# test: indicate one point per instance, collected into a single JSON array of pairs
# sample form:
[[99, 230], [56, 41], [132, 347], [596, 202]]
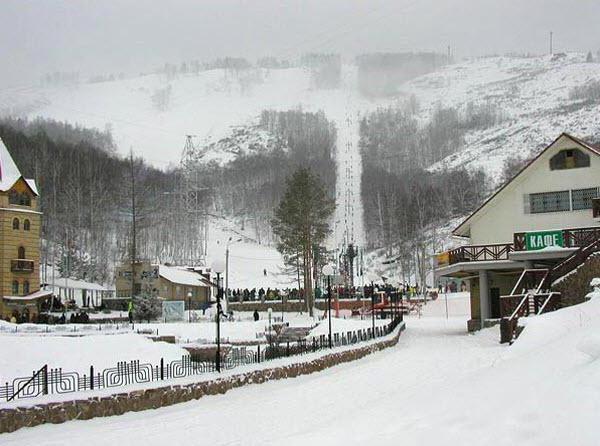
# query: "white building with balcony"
[[535, 229]]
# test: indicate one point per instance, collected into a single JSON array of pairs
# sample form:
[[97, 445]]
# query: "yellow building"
[[162, 281], [20, 226]]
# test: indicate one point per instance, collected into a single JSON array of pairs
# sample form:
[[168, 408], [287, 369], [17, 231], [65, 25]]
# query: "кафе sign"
[[543, 239]]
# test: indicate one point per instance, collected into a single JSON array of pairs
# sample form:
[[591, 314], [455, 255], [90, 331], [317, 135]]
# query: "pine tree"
[[589, 57], [146, 308], [302, 222]]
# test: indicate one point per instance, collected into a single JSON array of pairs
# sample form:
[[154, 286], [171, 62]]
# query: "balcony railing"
[[479, 253], [21, 266], [572, 238]]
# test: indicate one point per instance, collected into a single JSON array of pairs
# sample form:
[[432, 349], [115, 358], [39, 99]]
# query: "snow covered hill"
[[531, 93], [221, 108]]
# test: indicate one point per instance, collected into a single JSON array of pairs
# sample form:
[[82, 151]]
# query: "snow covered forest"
[[87, 189]]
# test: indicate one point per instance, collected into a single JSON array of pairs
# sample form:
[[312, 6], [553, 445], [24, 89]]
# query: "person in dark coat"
[[256, 315]]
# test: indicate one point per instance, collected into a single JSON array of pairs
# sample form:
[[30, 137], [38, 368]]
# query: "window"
[[582, 198], [15, 288], [22, 199], [15, 223], [569, 159], [26, 225], [13, 197], [25, 199], [26, 288], [549, 202], [21, 254]]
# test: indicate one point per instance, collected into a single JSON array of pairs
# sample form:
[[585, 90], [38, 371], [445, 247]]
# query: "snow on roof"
[[9, 172], [181, 276], [75, 284], [31, 183], [36, 295]]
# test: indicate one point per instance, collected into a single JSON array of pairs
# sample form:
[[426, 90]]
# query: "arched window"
[[15, 287], [26, 287], [21, 252], [15, 223], [26, 225]]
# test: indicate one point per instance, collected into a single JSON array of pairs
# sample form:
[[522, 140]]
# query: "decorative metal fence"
[[57, 381]]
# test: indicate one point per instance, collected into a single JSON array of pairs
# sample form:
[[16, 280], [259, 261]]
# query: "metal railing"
[[57, 381]]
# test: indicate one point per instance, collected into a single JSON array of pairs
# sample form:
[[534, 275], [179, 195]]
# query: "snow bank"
[[23, 354], [339, 325]]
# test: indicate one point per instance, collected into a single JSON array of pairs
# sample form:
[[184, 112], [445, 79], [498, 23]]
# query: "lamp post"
[[218, 267], [328, 271], [229, 241], [189, 295], [270, 312], [373, 308]]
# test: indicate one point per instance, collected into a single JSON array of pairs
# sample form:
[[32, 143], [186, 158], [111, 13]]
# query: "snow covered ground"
[[439, 385], [76, 351], [23, 354]]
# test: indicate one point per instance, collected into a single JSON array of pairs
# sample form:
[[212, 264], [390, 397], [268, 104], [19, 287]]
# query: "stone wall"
[[575, 286], [12, 419], [296, 306]]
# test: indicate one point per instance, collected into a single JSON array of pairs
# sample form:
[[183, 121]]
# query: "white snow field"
[[76, 352], [21, 355], [439, 385]]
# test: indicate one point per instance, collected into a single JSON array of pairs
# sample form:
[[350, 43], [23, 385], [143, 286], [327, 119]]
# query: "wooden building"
[[20, 226], [533, 231], [165, 282]]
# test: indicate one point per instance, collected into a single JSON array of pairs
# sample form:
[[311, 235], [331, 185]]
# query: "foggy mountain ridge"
[[222, 106]]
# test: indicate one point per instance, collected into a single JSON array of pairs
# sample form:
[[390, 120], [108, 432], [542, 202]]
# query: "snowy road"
[[439, 385]]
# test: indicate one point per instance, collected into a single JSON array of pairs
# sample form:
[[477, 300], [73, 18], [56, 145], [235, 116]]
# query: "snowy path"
[[439, 385], [316, 407]]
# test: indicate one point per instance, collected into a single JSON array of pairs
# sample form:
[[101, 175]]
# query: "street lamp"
[[270, 312], [373, 308], [218, 268], [328, 271], [189, 295], [229, 241]]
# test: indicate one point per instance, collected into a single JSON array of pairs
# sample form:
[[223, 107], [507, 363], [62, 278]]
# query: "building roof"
[[10, 173], [37, 295], [460, 230], [181, 276]]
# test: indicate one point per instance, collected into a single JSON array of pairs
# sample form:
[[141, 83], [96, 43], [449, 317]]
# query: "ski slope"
[[439, 385]]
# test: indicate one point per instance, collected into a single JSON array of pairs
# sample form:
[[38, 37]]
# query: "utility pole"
[[133, 226], [551, 48]]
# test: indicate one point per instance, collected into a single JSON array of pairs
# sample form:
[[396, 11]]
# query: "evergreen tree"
[[302, 222], [146, 308], [589, 57]]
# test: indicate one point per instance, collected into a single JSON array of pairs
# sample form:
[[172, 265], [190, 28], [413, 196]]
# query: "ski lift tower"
[[194, 198]]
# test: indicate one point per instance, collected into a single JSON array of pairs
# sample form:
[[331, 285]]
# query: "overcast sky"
[[103, 36]]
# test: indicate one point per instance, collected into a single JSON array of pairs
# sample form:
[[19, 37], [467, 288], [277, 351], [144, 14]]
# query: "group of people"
[[249, 295]]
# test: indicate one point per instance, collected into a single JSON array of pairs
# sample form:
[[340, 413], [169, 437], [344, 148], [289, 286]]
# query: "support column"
[[484, 296]]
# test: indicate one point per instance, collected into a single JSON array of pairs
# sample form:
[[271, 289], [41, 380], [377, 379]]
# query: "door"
[[495, 303]]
